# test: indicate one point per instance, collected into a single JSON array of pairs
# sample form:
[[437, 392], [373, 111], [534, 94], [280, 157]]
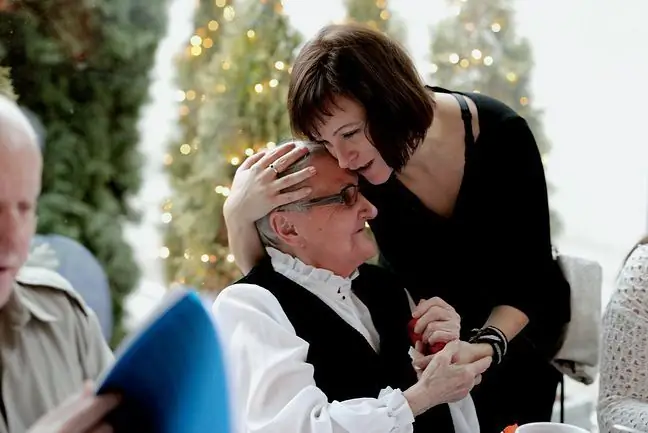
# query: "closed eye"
[[350, 134]]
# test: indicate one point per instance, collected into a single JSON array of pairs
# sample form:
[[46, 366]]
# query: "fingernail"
[[312, 170]]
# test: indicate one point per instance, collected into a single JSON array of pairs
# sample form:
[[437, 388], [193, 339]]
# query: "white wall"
[[590, 76]]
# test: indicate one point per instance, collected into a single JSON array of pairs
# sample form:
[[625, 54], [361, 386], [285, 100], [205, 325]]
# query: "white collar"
[[312, 278]]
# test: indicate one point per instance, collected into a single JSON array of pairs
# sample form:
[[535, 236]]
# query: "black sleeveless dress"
[[494, 250]]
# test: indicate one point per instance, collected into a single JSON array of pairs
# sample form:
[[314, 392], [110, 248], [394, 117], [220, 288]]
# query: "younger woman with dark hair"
[[463, 171]]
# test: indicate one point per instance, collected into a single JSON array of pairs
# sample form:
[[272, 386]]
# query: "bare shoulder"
[[50, 291], [448, 108]]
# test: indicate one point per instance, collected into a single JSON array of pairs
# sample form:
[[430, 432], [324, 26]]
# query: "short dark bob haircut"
[[364, 65]]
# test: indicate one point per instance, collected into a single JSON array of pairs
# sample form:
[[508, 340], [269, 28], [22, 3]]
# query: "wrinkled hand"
[[255, 188], [81, 413], [444, 382], [437, 321]]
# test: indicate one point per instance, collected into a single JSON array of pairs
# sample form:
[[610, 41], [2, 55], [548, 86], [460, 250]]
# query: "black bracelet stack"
[[493, 336]]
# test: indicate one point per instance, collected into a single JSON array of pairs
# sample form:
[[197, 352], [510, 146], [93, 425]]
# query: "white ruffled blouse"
[[273, 387]]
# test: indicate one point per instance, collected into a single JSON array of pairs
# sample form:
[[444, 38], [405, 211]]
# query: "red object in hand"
[[414, 337]]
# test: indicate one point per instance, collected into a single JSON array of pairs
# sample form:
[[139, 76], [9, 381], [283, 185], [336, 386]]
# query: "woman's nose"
[[346, 157]]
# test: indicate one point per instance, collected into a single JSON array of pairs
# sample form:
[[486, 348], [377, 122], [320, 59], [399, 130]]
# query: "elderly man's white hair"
[[266, 233], [15, 128]]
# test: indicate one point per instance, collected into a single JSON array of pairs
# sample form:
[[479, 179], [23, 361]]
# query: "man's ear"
[[284, 228]]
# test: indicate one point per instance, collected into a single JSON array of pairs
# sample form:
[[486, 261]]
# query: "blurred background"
[[145, 109]]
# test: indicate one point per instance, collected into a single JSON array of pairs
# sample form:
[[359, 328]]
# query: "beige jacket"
[[50, 343]]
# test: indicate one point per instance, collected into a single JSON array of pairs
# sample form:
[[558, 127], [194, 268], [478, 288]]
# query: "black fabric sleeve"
[[521, 230]]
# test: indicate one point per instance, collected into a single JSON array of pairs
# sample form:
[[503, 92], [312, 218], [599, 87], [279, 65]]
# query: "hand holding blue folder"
[[171, 374]]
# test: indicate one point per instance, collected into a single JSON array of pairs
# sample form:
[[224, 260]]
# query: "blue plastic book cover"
[[171, 373]]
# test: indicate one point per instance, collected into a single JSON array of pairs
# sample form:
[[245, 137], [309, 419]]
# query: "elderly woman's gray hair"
[[268, 236]]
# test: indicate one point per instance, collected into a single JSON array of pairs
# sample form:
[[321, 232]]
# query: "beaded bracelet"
[[493, 336]]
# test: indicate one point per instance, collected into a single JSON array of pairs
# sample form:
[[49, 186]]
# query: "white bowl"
[[549, 427]]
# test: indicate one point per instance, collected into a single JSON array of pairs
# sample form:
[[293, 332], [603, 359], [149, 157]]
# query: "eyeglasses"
[[348, 196]]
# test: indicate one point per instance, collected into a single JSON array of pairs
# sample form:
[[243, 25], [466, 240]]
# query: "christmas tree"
[[377, 15], [210, 22], [244, 111], [478, 50], [83, 70]]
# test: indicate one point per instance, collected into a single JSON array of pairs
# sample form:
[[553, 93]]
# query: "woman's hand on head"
[[256, 189]]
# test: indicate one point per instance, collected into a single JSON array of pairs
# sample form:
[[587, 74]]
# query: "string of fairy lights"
[[384, 14], [476, 56], [199, 44], [203, 40]]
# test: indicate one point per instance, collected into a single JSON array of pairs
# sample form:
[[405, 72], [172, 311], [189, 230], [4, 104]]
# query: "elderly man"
[[50, 342], [317, 341]]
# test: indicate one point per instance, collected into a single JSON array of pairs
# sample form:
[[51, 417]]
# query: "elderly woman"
[[318, 341], [623, 393]]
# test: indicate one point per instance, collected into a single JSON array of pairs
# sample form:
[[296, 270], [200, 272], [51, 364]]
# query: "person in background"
[[50, 342], [462, 173], [317, 341], [623, 390]]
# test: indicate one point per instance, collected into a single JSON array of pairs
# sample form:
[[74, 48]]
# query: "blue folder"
[[171, 373]]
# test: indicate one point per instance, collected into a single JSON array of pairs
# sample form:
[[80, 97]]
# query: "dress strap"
[[466, 115]]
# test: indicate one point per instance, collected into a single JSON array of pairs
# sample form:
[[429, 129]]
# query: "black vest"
[[345, 364]]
